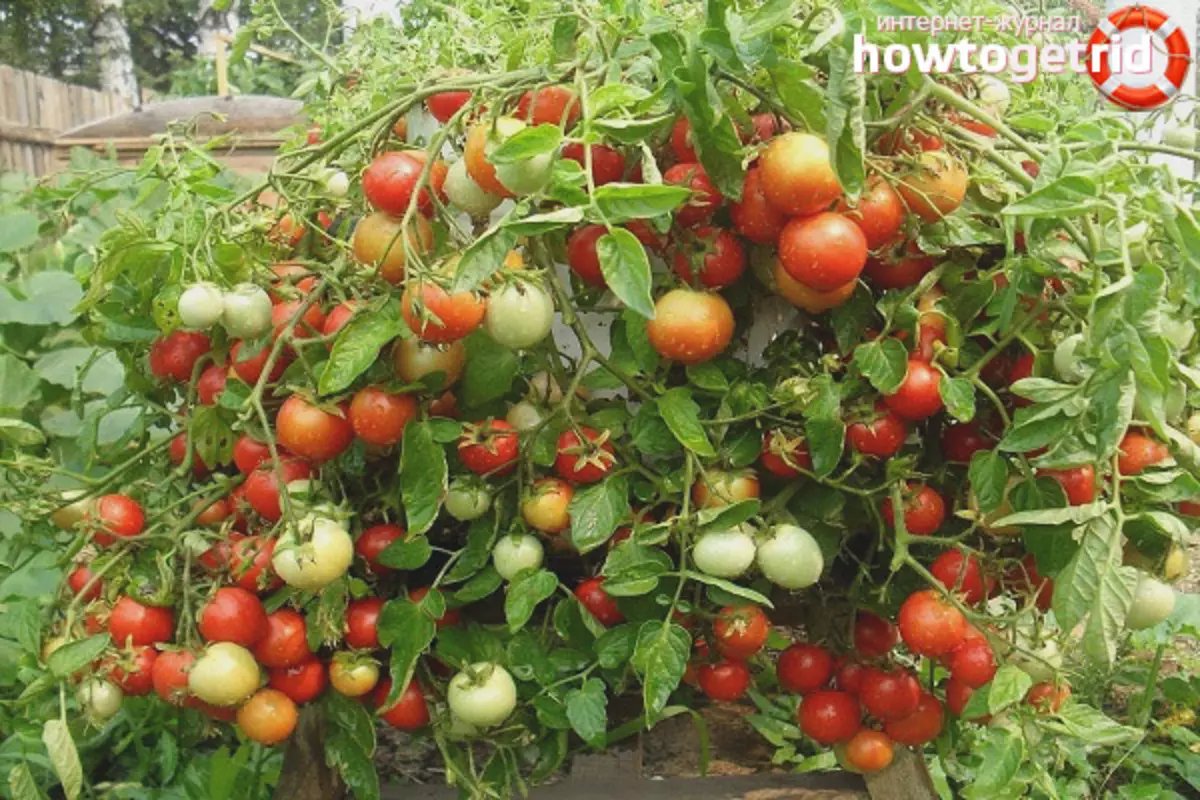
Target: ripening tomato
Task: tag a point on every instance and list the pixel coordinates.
(804, 668)
(754, 216)
(784, 456)
(294, 280)
(741, 631)
(362, 619)
(725, 681)
(117, 516)
(268, 717)
(390, 180)
(973, 663)
(608, 165)
(250, 367)
(131, 669)
(250, 564)
(475, 155)
(410, 712)
(84, 583)
(1079, 483)
(919, 396)
(438, 316)
(444, 105)
(170, 675)
(337, 319)
(302, 682)
(1138, 451)
(262, 488)
(718, 254)
(173, 357)
(829, 717)
(898, 269)
(874, 636)
(549, 105)
(377, 242)
(591, 595)
(718, 488)
(373, 542)
(806, 297)
(233, 615)
(924, 510)
(1047, 698)
(545, 509)
(889, 694)
(879, 212)
(379, 417)
(930, 625)
(285, 643)
(869, 751)
(961, 574)
(935, 187)
(797, 176)
(305, 323)
(132, 624)
(310, 431)
(178, 453)
(690, 326)
(681, 142)
(962, 440)
(921, 726)
(908, 141)
(584, 456)
(489, 448)
(211, 383)
(582, 256)
(705, 199)
(824, 251)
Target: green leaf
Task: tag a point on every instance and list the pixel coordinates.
(826, 439)
(20, 433)
(18, 230)
(526, 144)
(63, 756)
(999, 759)
(959, 396)
(18, 383)
(405, 628)
(353, 764)
(800, 94)
(74, 656)
(731, 587)
(633, 569)
(423, 476)
(650, 434)
(406, 553)
(351, 718)
(682, 416)
(845, 98)
(484, 258)
(988, 478)
(1008, 687)
(660, 658)
(525, 593)
(726, 517)
(356, 348)
(596, 511)
(212, 435)
(491, 369)
(22, 784)
(626, 269)
(620, 202)
(615, 646)
(1070, 195)
(1091, 725)
(478, 587)
(45, 298)
(884, 363)
(707, 376)
(1096, 588)
(538, 224)
(587, 710)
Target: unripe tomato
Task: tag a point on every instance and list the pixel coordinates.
(524, 416)
(889, 694)
(592, 596)
(582, 256)
(519, 315)
(705, 199)
(99, 699)
(234, 615)
(1153, 602)
(373, 542)
(921, 726)
(545, 509)
(881, 436)
(310, 431)
(961, 574)
(797, 176)
(377, 242)
(318, 561)
(353, 676)
(170, 675)
(724, 554)
(924, 510)
(784, 457)
(741, 631)
(268, 717)
(517, 553)
(824, 252)
(489, 448)
(302, 682)
(410, 712)
(804, 668)
(879, 212)
(201, 306)
(608, 165)
(415, 362)
(717, 488)
(807, 298)
(1046, 697)
(246, 312)
(285, 644)
(725, 681)
(829, 717)
(929, 625)
(467, 501)
(918, 396)
(874, 636)
(755, 217)
(466, 195)
(78, 506)
(174, 356)
(715, 255)
(936, 187)
(225, 674)
(379, 417)
(584, 456)
(137, 625)
(869, 751)
(437, 316)
(483, 694)
(790, 558)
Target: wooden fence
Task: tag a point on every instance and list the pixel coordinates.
(34, 110)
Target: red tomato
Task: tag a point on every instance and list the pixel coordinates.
(137, 625)
(797, 176)
(921, 726)
(918, 397)
(177, 451)
(824, 251)
(849, 676)
(1025, 578)
(869, 751)
(444, 105)
(962, 440)
(899, 270)
(362, 618)
(804, 668)
(439, 317)
(881, 437)
(582, 256)
(1079, 483)
(306, 323)
(879, 213)
(681, 141)
(390, 180)
(830, 717)
(170, 675)
(961, 574)
(250, 454)
(375, 540)
(1047, 698)
(741, 631)
(592, 596)
(250, 564)
(1022, 368)
(874, 636)
(1138, 451)
(957, 695)
(754, 217)
(929, 625)
(452, 616)
(302, 683)
(909, 140)
(295, 279)
(763, 127)
(718, 253)
(338, 318)
(783, 456)
(973, 663)
(211, 383)
(550, 105)
(233, 615)
(646, 234)
(725, 681)
(379, 417)
(82, 578)
(608, 165)
(285, 643)
(690, 326)
(889, 694)
(584, 457)
(489, 448)
(132, 670)
(251, 368)
(705, 198)
(216, 558)
(173, 357)
(118, 517)
(312, 432)
(410, 713)
(924, 510)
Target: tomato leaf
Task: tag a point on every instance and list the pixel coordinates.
(484, 258)
(423, 476)
(626, 268)
(587, 710)
(1067, 196)
(357, 346)
(660, 658)
(350, 744)
(19, 433)
(212, 435)
(620, 202)
(1091, 725)
(884, 363)
(351, 719)
(800, 94)
(732, 588)
(826, 440)
(20, 230)
(478, 587)
(615, 646)
(22, 785)
(537, 224)
(988, 478)
(527, 143)
(477, 551)
(845, 98)
(632, 569)
(596, 511)
(525, 593)
(491, 369)
(63, 756)
(707, 376)
(725, 517)
(405, 628)
(682, 416)
(74, 656)
(1000, 757)
(650, 434)
(959, 396)
(1008, 687)
(406, 553)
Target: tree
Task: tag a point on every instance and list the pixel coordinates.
(113, 50)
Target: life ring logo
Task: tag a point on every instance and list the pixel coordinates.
(1139, 57)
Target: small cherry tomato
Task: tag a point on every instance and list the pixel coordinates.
(375, 540)
(924, 510)
(489, 448)
(929, 625)
(874, 636)
(921, 726)
(889, 694)
(804, 668)
(918, 396)
(829, 717)
(881, 437)
(741, 631)
(585, 456)
(725, 681)
(705, 200)
(591, 595)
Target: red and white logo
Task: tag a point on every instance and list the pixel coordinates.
(1139, 57)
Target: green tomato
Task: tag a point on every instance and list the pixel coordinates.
(100, 699)
(1181, 136)
(201, 306)
(1153, 602)
(524, 416)
(519, 315)
(482, 695)
(467, 195)
(466, 501)
(517, 553)
(791, 558)
(528, 176)
(224, 675)
(313, 554)
(247, 311)
(725, 554)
